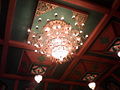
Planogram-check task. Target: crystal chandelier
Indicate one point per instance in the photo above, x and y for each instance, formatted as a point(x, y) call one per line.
point(58, 40)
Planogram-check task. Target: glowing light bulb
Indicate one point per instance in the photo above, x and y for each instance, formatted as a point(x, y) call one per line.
point(47, 29)
point(36, 27)
point(29, 30)
point(33, 36)
point(59, 26)
point(82, 24)
point(42, 52)
point(48, 20)
point(70, 28)
point(35, 50)
point(76, 34)
point(54, 27)
point(57, 33)
point(81, 43)
point(39, 19)
point(48, 34)
point(76, 47)
point(36, 45)
point(86, 36)
point(81, 31)
point(66, 32)
point(76, 23)
point(62, 18)
point(92, 85)
point(78, 38)
point(118, 53)
point(28, 42)
point(48, 55)
point(38, 78)
point(60, 52)
point(55, 14)
point(73, 16)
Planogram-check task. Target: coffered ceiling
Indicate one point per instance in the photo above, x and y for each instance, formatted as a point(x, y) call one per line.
point(96, 60)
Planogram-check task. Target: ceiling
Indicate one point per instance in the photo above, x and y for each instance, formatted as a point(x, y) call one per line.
point(97, 57)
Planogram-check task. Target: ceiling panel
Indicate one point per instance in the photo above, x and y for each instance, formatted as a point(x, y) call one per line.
point(13, 59)
point(23, 19)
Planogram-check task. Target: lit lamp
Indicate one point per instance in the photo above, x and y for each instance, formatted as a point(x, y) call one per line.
point(58, 40)
point(118, 53)
point(92, 85)
point(38, 78)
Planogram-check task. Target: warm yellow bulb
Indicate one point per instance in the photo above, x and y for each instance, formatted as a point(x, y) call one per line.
point(92, 85)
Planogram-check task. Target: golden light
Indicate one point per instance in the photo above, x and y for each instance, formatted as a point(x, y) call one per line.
point(92, 85)
point(57, 41)
point(118, 53)
point(38, 78)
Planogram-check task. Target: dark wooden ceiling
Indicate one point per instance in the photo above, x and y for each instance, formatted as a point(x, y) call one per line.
point(18, 59)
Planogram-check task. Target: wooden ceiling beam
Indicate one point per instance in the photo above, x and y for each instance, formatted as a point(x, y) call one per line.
point(65, 82)
point(104, 53)
point(9, 21)
point(16, 77)
point(88, 5)
point(21, 45)
point(98, 59)
point(33, 57)
point(30, 78)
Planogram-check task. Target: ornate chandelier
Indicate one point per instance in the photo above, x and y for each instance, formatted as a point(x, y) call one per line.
point(57, 39)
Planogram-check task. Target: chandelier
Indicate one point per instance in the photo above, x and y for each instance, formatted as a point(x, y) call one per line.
point(57, 39)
